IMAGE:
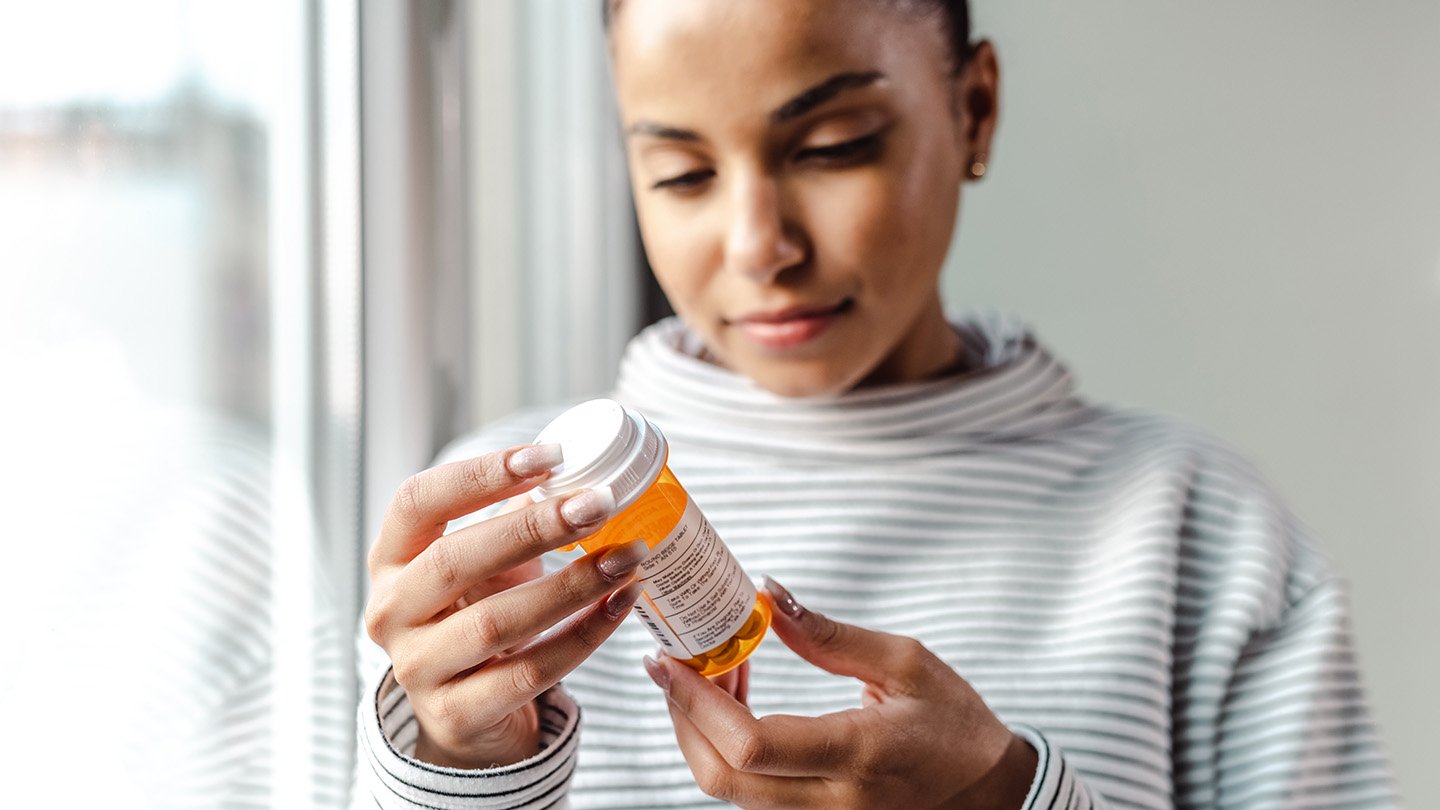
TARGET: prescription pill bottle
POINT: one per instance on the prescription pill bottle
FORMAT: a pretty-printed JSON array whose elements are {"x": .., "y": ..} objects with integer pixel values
[{"x": 697, "y": 601}]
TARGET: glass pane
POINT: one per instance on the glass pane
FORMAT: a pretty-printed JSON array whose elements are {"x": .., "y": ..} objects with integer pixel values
[{"x": 136, "y": 220}]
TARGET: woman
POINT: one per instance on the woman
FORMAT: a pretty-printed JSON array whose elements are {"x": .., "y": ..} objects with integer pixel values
[{"x": 1146, "y": 624}]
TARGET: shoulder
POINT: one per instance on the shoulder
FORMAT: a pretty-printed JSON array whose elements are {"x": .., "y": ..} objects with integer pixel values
[
  {"x": 1237, "y": 535},
  {"x": 1138, "y": 435}
]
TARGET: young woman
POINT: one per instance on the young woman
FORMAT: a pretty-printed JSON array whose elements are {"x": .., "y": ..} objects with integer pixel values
[{"x": 1011, "y": 597}]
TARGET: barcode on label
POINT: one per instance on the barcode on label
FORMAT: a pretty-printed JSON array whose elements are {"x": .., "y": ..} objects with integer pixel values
[{"x": 656, "y": 628}]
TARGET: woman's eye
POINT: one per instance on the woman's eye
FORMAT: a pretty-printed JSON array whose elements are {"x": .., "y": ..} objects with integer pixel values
[
  {"x": 686, "y": 181},
  {"x": 848, "y": 151}
]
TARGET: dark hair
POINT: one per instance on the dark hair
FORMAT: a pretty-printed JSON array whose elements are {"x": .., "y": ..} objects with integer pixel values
[{"x": 955, "y": 12}]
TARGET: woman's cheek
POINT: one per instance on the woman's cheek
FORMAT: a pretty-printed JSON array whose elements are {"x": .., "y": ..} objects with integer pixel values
[
  {"x": 677, "y": 253},
  {"x": 917, "y": 225},
  {"x": 686, "y": 271},
  {"x": 870, "y": 226}
]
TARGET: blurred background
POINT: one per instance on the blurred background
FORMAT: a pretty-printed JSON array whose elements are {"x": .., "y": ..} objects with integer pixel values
[{"x": 259, "y": 261}]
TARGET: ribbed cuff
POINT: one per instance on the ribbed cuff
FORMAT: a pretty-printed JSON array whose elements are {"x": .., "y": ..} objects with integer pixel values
[
  {"x": 1056, "y": 784},
  {"x": 391, "y": 774}
]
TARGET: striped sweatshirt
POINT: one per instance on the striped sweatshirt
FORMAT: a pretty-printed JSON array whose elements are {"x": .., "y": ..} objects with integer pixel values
[{"x": 1123, "y": 591}]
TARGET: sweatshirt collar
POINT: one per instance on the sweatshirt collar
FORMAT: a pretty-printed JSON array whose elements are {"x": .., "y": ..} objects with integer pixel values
[{"x": 1013, "y": 389}]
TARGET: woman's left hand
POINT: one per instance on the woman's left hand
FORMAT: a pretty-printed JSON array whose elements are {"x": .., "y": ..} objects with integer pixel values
[{"x": 923, "y": 738}]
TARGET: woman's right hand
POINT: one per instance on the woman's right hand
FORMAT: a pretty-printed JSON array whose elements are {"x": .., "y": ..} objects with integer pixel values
[{"x": 461, "y": 615}]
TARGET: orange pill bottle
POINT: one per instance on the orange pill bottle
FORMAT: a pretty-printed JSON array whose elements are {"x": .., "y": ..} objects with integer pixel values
[{"x": 697, "y": 601}]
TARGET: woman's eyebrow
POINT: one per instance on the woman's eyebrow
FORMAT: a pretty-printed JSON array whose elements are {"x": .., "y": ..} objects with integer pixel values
[
  {"x": 821, "y": 93},
  {"x": 661, "y": 131},
  {"x": 806, "y": 101}
]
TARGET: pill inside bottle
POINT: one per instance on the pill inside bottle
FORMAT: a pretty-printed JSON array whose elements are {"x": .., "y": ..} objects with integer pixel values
[{"x": 697, "y": 601}]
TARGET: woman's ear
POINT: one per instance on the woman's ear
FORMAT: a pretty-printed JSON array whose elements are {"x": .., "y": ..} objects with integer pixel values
[{"x": 977, "y": 106}]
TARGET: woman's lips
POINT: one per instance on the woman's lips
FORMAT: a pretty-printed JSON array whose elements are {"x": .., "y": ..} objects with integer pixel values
[{"x": 791, "y": 327}]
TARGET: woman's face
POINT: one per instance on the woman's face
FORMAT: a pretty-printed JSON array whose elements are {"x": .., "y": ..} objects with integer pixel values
[{"x": 796, "y": 169}]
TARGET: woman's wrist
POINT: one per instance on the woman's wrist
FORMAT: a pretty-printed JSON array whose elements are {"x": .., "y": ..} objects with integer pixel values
[
  {"x": 512, "y": 746},
  {"x": 1007, "y": 783}
]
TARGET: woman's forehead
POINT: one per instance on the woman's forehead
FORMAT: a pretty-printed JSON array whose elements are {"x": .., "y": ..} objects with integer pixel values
[{"x": 753, "y": 55}]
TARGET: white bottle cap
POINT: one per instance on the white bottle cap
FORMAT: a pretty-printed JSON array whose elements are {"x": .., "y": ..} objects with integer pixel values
[{"x": 605, "y": 445}]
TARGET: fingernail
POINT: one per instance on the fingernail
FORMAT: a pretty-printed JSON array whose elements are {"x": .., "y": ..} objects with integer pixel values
[
  {"x": 535, "y": 459},
  {"x": 619, "y": 603},
  {"x": 783, "y": 599},
  {"x": 618, "y": 562},
  {"x": 657, "y": 673},
  {"x": 590, "y": 506}
]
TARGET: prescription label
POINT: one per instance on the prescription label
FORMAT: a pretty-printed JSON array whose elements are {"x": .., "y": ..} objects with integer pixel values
[{"x": 696, "y": 595}]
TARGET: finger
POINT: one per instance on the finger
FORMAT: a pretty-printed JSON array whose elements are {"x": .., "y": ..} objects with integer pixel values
[
  {"x": 777, "y": 744},
  {"x": 507, "y": 683},
  {"x": 718, "y": 778},
  {"x": 455, "y": 563},
  {"x": 512, "y": 618},
  {"x": 897, "y": 664},
  {"x": 736, "y": 683},
  {"x": 428, "y": 500},
  {"x": 503, "y": 581}
]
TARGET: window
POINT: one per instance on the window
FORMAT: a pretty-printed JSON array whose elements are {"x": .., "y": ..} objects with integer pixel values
[
  {"x": 206, "y": 410},
  {"x": 179, "y": 316}
]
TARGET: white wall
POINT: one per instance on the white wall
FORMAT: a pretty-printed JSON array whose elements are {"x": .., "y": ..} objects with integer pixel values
[{"x": 1230, "y": 211}]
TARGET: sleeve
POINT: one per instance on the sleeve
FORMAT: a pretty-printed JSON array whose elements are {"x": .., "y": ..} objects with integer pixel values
[
  {"x": 1295, "y": 730},
  {"x": 1274, "y": 712},
  {"x": 1268, "y": 705},
  {"x": 389, "y": 777},
  {"x": 1056, "y": 786}
]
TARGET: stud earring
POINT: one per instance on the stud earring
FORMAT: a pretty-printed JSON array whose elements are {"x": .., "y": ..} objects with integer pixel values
[{"x": 978, "y": 167}]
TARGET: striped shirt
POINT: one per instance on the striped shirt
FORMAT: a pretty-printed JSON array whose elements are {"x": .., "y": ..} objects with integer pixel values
[{"x": 1123, "y": 590}]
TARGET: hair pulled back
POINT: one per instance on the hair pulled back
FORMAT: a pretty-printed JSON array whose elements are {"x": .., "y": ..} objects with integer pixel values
[{"x": 955, "y": 14}]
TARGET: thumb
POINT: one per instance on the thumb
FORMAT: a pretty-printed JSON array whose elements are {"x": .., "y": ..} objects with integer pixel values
[{"x": 891, "y": 662}]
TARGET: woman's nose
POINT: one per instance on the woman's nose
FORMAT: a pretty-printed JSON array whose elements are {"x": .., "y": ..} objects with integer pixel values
[{"x": 760, "y": 242}]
